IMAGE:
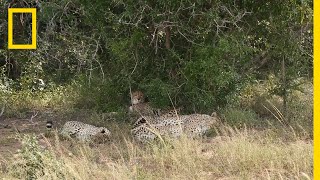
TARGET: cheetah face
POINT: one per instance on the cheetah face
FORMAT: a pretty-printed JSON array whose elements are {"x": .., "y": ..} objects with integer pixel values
[{"x": 137, "y": 97}]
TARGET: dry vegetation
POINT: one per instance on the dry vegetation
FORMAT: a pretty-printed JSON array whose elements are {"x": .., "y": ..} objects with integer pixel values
[
  {"x": 232, "y": 151},
  {"x": 236, "y": 155}
]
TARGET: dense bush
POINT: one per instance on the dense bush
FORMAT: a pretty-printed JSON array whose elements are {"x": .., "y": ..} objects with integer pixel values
[{"x": 196, "y": 55}]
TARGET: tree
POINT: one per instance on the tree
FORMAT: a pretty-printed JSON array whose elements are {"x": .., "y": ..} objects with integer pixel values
[{"x": 200, "y": 53}]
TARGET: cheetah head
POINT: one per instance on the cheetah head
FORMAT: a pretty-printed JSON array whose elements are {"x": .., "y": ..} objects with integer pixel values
[
  {"x": 102, "y": 136},
  {"x": 137, "y": 97}
]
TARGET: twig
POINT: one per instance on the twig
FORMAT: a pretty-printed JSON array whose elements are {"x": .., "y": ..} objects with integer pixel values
[
  {"x": 2, "y": 110},
  {"x": 33, "y": 116},
  {"x": 187, "y": 38}
]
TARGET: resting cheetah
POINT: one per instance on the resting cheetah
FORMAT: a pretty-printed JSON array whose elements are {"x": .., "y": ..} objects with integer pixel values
[
  {"x": 162, "y": 120},
  {"x": 137, "y": 97},
  {"x": 148, "y": 128},
  {"x": 141, "y": 107},
  {"x": 199, "y": 124},
  {"x": 148, "y": 132},
  {"x": 81, "y": 131},
  {"x": 173, "y": 118},
  {"x": 144, "y": 109}
]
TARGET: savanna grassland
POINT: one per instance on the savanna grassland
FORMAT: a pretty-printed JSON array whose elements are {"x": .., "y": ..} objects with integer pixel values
[
  {"x": 249, "y": 61},
  {"x": 248, "y": 144}
]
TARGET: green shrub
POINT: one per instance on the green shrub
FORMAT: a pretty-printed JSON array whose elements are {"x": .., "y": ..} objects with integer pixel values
[
  {"x": 29, "y": 164},
  {"x": 101, "y": 95},
  {"x": 240, "y": 118}
]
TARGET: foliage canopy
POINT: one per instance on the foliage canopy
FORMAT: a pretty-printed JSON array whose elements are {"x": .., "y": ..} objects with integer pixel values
[{"x": 198, "y": 53}]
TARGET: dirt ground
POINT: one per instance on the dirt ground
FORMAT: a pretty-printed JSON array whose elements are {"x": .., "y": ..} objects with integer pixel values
[
  {"x": 35, "y": 123},
  {"x": 31, "y": 123},
  {"x": 10, "y": 128}
]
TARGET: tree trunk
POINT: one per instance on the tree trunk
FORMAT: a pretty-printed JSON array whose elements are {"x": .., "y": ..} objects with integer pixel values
[{"x": 167, "y": 31}]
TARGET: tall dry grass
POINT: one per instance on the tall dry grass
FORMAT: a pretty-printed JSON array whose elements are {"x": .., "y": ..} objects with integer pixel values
[{"x": 233, "y": 154}]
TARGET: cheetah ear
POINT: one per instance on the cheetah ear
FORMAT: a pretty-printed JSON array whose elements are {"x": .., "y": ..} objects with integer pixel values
[
  {"x": 214, "y": 114},
  {"x": 103, "y": 131},
  {"x": 143, "y": 120},
  {"x": 140, "y": 121},
  {"x": 156, "y": 112}
]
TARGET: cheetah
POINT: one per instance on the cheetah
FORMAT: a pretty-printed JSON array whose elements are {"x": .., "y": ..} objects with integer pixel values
[
  {"x": 144, "y": 109},
  {"x": 162, "y": 120},
  {"x": 137, "y": 97},
  {"x": 148, "y": 132},
  {"x": 141, "y": 107},
  {"x": 173, "y": 118},
  {"x": 199, "y": 124},
  {"x": 81, "y": 131},
  {"x": 147, "y": 128}
]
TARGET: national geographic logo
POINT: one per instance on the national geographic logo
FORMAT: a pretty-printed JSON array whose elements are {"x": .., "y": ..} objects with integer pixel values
[{"x": 33, "y": 44}]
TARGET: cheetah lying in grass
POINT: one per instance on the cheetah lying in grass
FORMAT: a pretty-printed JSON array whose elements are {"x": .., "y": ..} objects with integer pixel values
[
  {"x": 83, "y": 132},
  {"x": 149, "y": 128},
  {"x": 140, "y": 107}
]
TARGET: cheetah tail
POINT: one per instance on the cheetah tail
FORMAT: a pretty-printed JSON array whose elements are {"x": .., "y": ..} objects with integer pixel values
[{"x": 49, "y": 124}]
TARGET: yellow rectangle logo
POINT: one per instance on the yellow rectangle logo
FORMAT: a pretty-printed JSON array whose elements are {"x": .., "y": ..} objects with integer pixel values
[{"x": 33, "y": 44}]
